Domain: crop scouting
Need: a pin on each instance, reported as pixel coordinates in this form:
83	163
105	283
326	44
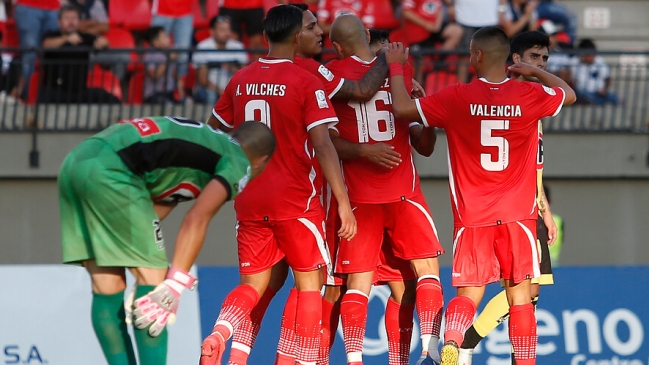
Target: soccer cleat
465	357
449	353
212	349
425	359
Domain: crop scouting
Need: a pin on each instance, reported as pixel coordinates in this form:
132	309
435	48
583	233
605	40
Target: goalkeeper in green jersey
116	187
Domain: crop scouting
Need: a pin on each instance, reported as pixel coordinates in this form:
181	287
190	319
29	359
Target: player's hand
348	227
551	226
74	38
522	69
381	154
396	53
158	308
417	90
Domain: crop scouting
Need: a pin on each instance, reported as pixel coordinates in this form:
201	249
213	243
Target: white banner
45	318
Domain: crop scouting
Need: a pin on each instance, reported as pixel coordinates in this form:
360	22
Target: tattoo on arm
365	88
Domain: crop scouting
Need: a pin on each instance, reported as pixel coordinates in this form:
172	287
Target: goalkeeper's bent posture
116	186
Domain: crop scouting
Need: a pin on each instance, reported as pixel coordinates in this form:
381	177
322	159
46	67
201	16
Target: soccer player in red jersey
492	130
280	215
384	199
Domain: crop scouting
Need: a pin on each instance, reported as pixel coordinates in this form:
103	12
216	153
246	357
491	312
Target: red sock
236	306
286	345
430	301
330	319
307	326
353	312
459	316
398	325
522	333
246	334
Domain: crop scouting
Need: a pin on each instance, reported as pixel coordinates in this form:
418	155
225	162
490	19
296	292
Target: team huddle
319	161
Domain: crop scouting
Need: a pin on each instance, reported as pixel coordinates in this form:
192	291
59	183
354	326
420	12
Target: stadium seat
104	79
136	88
380	16
10	35
202	34
122	38
437	80
211	9
130	14
200	21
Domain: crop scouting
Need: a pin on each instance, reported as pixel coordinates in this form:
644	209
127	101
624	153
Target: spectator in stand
472	15
591	76
215	69
33	19
175	17
161	81
94	18
65	63
248	16
328	10
312	4
518	16
559	14
559	63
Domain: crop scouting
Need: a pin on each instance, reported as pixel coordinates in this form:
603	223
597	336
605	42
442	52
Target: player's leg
302	241
107	313
414	238
399	313
286	348
493	314
359	259
331	301
459	315
519	261
245	335
258	253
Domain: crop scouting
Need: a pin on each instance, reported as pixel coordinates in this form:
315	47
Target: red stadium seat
202	34
136	88
104	79
122	38
211	9
10	35
437	80
200	21
130	14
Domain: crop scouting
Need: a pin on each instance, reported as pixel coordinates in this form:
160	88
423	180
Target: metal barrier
113	86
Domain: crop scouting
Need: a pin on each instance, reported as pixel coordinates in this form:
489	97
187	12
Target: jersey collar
274	60
494	83
361	61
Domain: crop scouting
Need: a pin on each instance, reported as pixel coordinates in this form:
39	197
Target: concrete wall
600	185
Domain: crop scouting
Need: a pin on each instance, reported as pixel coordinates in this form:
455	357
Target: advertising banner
591	316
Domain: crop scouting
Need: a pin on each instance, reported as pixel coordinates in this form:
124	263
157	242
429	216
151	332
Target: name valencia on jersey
484	110
263	89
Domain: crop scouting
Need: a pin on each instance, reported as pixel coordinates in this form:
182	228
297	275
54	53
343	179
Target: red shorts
483	255
407	222
262	244
392	268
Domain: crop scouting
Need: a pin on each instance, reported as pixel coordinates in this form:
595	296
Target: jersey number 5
488	140
368	118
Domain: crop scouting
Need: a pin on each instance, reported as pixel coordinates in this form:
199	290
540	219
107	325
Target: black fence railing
90	92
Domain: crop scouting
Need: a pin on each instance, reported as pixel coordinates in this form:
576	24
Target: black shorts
250	19
542	236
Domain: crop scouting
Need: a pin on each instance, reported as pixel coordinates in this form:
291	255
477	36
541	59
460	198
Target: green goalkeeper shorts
106	211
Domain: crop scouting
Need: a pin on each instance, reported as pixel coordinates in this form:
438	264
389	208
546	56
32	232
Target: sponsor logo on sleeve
550	91
322	99
326	73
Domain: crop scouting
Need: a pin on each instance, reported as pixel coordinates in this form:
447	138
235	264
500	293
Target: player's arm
381	154
544	211
402	105
223	110
328	159
546	78
365	88
163	210
423	139
193	229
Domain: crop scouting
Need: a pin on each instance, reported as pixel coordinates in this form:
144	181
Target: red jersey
332	83
41	4
241	4
373	122
290	101
427	9
492	132
171	8
328	10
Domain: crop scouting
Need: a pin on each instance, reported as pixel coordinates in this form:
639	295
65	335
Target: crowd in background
438	31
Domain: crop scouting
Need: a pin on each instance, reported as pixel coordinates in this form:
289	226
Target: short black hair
69	8
301	6
526	40
218	19
153	33
378	35
587	43
282	22
493	41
